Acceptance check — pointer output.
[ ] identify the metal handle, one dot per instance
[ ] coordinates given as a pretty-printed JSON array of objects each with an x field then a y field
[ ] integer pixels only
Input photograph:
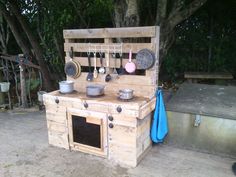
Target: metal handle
[
  {"x": 56, "y": 100},
  {"x": 119, "y": 109},
  {"x": 111, "y": 125},
  {"x": 110, "y": 118},
  {"x": 89, "y": 62},
  {"x": 85, "y": 105}
]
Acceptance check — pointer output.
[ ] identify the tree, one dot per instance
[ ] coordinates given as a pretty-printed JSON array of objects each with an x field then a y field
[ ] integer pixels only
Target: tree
[
  {"x": 38, "y": 51},
  {"x": 168, "y": 14}
]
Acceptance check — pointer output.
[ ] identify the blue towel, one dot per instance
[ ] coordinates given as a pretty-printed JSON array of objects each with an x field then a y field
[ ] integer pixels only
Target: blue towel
[{"x": 159, "y": 125}]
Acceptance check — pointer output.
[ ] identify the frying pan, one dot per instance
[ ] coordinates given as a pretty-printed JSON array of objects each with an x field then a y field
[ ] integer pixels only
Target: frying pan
[
  {"x": 145, "y": 59},
  {"x": 72, "y": 68}
]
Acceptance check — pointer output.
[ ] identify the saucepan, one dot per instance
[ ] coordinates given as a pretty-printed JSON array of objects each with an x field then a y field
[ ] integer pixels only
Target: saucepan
[
  {"x": 94, "y": 90},
  {"x": 66, "y": 86},
  {"x": 126, "y": 94}
]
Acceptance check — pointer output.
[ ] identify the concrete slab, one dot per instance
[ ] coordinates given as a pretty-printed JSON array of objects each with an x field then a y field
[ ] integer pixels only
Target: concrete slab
[
  {"x": 24, "y": 152},
  {"x": 209, "y": 100}
]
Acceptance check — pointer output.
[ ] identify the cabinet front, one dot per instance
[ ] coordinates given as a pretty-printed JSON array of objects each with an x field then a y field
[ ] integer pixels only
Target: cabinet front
[{"x": 87, "y": 131}]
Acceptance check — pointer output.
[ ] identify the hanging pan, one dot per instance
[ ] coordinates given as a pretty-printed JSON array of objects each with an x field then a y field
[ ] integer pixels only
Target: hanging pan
[
  {"x": 145, "y": 59},
  {"x": 72, "y": 68}
]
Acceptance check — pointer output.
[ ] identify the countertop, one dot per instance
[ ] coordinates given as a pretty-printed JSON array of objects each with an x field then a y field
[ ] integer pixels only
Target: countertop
[{"x": 202, "y": 99}]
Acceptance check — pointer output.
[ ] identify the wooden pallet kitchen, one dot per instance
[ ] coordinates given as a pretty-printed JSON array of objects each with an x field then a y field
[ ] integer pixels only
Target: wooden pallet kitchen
[{"x": 106, "y": 126}]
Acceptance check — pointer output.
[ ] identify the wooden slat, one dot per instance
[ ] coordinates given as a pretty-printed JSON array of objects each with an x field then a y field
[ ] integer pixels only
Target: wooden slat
[
  {"x": 58, "y": 139},
  {"x": 57, "y": 127},
  {"x": 205, "y": 75},
  {"x": 123, "y": 79},
  {"x": 155, "y": 41},
  {"x": 147, "y": 108},
  {"x": 83, "y": 47},
  {"x": 93, "y": 120},
  {"x": 113, "y": 88},
  {"x": 125, "y": 32},
  {"x": 113, "y": 62}
]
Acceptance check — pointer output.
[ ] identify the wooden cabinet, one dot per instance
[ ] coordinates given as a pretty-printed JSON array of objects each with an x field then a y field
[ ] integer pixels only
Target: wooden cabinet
[{"x": 119, "y": 131}]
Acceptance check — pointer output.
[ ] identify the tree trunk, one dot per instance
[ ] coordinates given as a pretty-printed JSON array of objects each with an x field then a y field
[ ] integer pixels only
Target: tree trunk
[
  {"x": 168, "y": 21},
  {"x": 14, "y": 29},
  {"x": 35, "y": 45},
  {"x": 126, "y": 13}
]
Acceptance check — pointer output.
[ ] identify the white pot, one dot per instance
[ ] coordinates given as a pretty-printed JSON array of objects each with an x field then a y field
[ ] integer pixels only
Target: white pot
[
  {"x": 5, "y": 86},
  {"x": 40, "y": 95},
  {"x": 66, "y": 86}
]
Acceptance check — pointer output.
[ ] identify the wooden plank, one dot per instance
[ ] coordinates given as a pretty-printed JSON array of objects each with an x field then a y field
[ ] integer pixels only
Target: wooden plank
[
  {"x": 113, "y": 88},
  {"x": 124, "y": 120},
  {"x": 123, "y": 79},
  {"x": 123, "y": 134},
  {"x": 122, "y": 155},
  {"x": 83, "y": 47},
  {"x": 205, "y": 75},
  {"x": 141, "y": 156},
  {"x": 93, "y": 120},
  {"x": 155, "y": 41},
  {"x": 113, "y": 63},
  {"x": 57, "y": 127},
  {"x": 147, "y": 108},
  {"x": 58, "y": 139},
  {"x": 86, "y": 113},
  {"x": 124, "y": 32},
  {"x": 88, "y": 149}
]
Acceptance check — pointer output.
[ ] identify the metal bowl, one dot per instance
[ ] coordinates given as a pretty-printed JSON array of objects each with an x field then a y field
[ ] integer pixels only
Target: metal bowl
[{"x": 95, "y": 90}]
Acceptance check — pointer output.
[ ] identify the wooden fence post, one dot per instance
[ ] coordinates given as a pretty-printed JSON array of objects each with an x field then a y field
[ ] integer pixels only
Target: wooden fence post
[{"x": 23, "y": 83}]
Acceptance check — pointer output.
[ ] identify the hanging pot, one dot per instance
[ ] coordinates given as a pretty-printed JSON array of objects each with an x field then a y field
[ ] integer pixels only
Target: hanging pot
[
  {"x": 72, "y": 68},
  {"x": 145, "y": 59},
  {"x": 130, "y": 66}
]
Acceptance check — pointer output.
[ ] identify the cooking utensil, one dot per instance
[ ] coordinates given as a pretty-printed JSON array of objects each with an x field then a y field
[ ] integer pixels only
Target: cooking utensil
[
  {"x": 130, "y": 66},
  {"x": 145, "y": 59},
  {"x": 121, "y": 69},
  {"x": 72, "y": 68},
  {"x": 102, "y": 69},
  {"x": 115, "y": 73},
  {"x": 95, "y": 90},
  {"x": 66, "y": 86},
  {"x": 108, "y": 76},
  {"x": 90, "y": 74},
  {"x": 95, "y": 71},
  {"x": 126, "y": 94}
]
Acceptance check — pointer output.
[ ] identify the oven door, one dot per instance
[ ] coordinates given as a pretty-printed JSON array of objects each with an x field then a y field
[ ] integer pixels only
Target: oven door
[{"x": 88, "y": 131}]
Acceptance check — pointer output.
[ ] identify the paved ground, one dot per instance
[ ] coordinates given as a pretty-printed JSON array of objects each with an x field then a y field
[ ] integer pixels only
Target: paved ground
[{"x": 24, "y": 152}]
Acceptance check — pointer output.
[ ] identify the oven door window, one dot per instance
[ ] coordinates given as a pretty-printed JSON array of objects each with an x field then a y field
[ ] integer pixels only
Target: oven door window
[{"x": 85, "y": 132}]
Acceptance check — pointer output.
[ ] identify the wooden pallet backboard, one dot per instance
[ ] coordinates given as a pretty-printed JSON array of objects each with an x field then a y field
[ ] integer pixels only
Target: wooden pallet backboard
[{"x": 134, "y": 38}]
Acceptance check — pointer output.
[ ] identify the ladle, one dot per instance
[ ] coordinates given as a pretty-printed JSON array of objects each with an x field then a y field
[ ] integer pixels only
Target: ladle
[
  {"x": 95, "y": 71},
  {"x": 108, "y": 76},
  {"x": 90, "y": 74}
]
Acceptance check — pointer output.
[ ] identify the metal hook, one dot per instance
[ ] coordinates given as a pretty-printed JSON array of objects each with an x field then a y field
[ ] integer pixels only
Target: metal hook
[
  {"x": 94, "y": 52},
  {"x": 114, "y": 52},
  {"x": 120, "y": 50}
]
